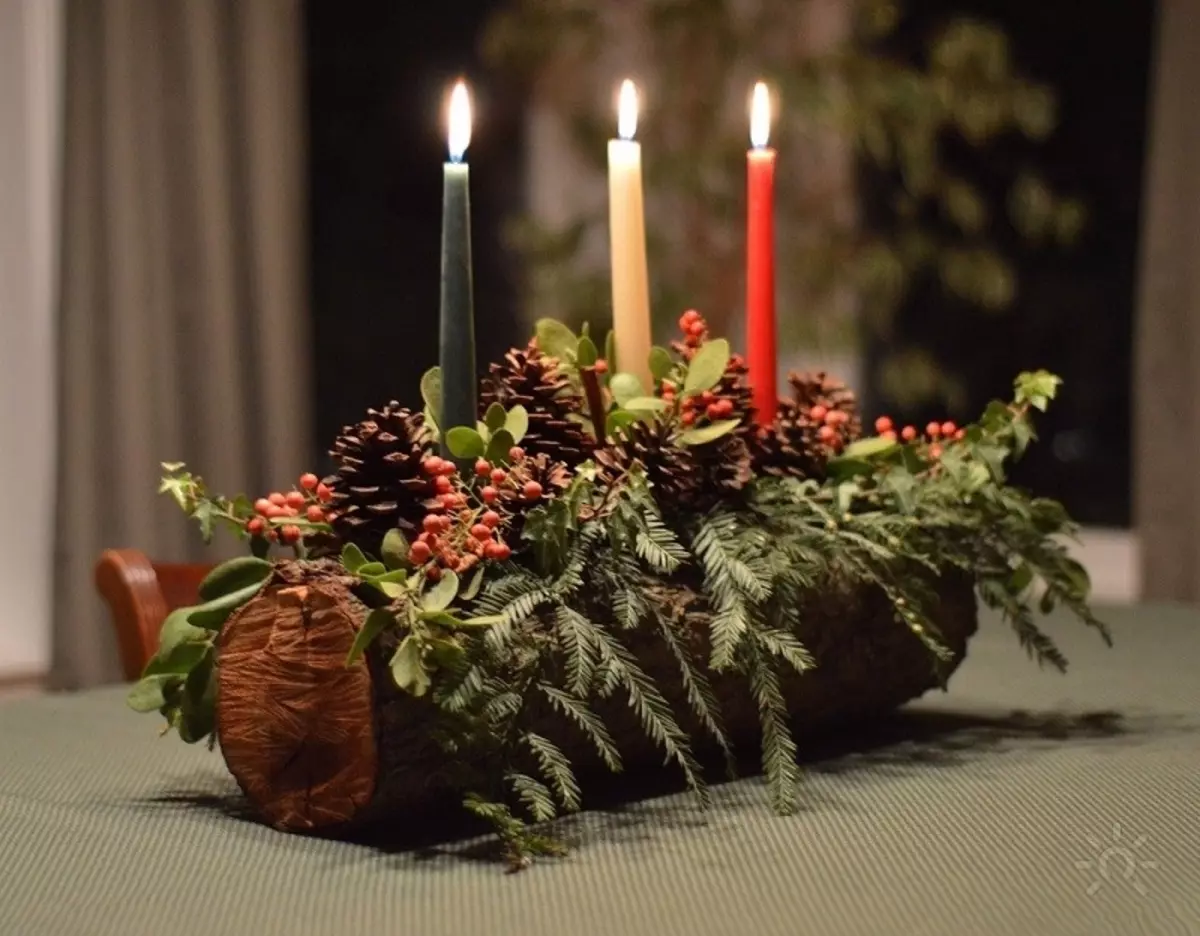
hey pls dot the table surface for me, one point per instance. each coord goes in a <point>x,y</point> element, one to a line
<point>1021,802</point>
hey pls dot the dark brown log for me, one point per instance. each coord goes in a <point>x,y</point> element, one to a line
<point>315,745</point>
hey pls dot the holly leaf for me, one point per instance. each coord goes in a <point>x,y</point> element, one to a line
<point>661,363</point>
<point>431,393</point>
<point>709,433</point>
<point>556,340</point>
<point>707,367</point>
<point>376,623</point>
<point>465,442</point>
<point>408,669</point>
<point>625,387</point>
<point>443,592</point>
<point>353,558</point>
<point>586,352</point>
<point>394,550</point>
<point>516,423</point>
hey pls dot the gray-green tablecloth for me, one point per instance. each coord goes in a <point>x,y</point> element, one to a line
<point>1021,802</point>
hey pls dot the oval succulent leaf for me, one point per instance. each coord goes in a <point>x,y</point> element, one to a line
<point>646,404</point>
<point>377,621</point>
<point>431,393</point>
<point>869,448</point>
<point>443,592</point>
<point>464,442</point>
<point>234,575</point>
<point>556,340</point>
<point>661,363</point>
<point>395,550</point>
<point>353,558</point>
<point>516,422</point>
<point>610,350</point>
<point>586,352</point>
<point>626,387</point>
<point>498,448</point>
<point>408,669</point>
<point>212,615</point>
<point>494,417</point>
<point>707,367</point>
<point>709,433</point>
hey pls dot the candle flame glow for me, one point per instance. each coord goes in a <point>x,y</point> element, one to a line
<point>760,116</point>
<point>460,122</point>
<point>627,111</point>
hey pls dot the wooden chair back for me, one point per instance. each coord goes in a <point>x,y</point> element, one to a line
<point>140,594</point>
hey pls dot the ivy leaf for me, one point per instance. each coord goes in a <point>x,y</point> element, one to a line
<point>709,433</point>
<point>443,592</point>
<point>1037,388</point>
<point>707,367</point>
<point>586,352</point>
<point>465,442</point>
<point>431,393</point>
<point>204,514</point>
<point>494,417</point>
<point>993,456</point>
<point>353,558</point>
<point>377,621</point>
<point>869,448</point>
<point>516,423</point>
<point>661,363</point>
<point>556,340</point>
<point>408,669</point>
<point>625,387</point>
<point>498,448</point>
<point>1023,434</point>
<point>178,485</point>
<point>646,404</point>
<point>395,550</point>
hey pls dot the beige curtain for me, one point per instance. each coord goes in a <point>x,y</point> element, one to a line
<point>1167,372</point>
<point>183,329</point>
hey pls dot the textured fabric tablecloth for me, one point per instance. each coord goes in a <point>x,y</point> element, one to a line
<point>1021,803</point>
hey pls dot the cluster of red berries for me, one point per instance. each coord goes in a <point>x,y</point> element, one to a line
<point>456,535</point>
<point>308,499</point>
<point>705,405</point>
<point>832,423</point>
<point>694,328</point>
<point>935,434</point>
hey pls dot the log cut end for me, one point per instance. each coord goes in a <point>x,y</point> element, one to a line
<point>295,724</point>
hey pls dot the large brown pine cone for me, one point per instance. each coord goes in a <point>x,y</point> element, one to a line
<point>793,444</point>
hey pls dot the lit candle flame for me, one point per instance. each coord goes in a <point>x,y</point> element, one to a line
<point>760,116</point>
<point>460,122</point>
<point>627,111</point>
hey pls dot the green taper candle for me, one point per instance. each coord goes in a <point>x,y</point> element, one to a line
<point>457,324</point>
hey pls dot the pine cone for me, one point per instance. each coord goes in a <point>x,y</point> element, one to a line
<point>819,389</point>
<point>379,485</point>
<point>684,478</point>
<point>820,420</point>
<point>554,478</point>
<point>533,380</point>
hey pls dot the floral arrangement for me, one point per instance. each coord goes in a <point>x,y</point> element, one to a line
<point>594,552</point>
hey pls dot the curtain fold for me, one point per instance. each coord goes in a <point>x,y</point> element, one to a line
<point>183,328</point>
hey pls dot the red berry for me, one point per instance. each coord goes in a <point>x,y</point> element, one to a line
<point>499,475</point>
<point>691,341</point>
<point>908,433</point>
<point>889,434</point>
<point>532,490</point>
<point>295,499</point>
<point>432,523</point>
<point>291,512</point>
<point>263,506</point>
<point>324,494</point>
<point>449,558</point>
<point>277,499</point>
<point>275,511</point>
<point>481,531</point>
<point>713,411</point>
<point>688,418</point>
<point>697,329</point>
<point>309,481</point>
<point>883,424</point>
<point>498,551</point>
<point>725,408</point>
<point>488,494</point>
<point>491,518</point>
<point>432,465</point>
<point>836,417</point>
<point>933,430</point>
<point>255,526</point>
<point>289,534</point>
<point>442,484</point>
<point>601,366</point>
<point>419,553</point>
<point>818,413</point>
<point>449,501</point>
<point>827,433</point>
<point>483,468</point>
<point>668,386</point>
<point>688,319</point>
<point>433,573</point>
<point>447,468</point>
<point>948,429</point>
<point>960,434</point>
<point>935,451</point>
<point>272,535</point>
<point>707,397</point>
<point>516,453</point>
<point>315,514</point>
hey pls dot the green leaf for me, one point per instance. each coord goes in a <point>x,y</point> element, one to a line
<point>661,363</point>
<point>494,417</point>
<point>212,615</point>
<point>498,448</point>
<point>846,492</point>
<point>440,618</point>
<point>408,669</point>
<point>625,387</point>
<point>445,653</point>
<point>869,448</point>
<point>618,419</point>
<point>197,705</point>
<point>993,456</point>
<point>395,550</point>
<point>178,660</point>
<point>516,423</point>
<point>353,558</point>
<point>473,586</point>
<point>647,404</point>
<point>586,352</point>
<point>176,630</point>
<point>485,620</point>
<point>371,570</point>
<point>234,575</point>
<point>443,592</point>
<point>431,393</point>
<point>707,366</point>
<point>204,514</point>
<point>610,350</point>
<point>465,442</point>
<point>841,467</point>
<point>1037,388</point>
<point>376,623</point>
<point>556,340</point>
<point>709,433</point>
<point>147,693</point>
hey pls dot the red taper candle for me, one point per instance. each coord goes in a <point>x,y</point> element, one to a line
<point>760,259</point>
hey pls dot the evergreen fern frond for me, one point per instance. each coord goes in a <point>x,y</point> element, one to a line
<point>725,571</point>
<point>701,699</point>
<point>577,712</point>
<point>728,627</point>
<point>575,637</point>
<point>784,645</point>
<point>534,796</point>
<point>778,746</point>
<point>555,768</point>
<point>628,608</point>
